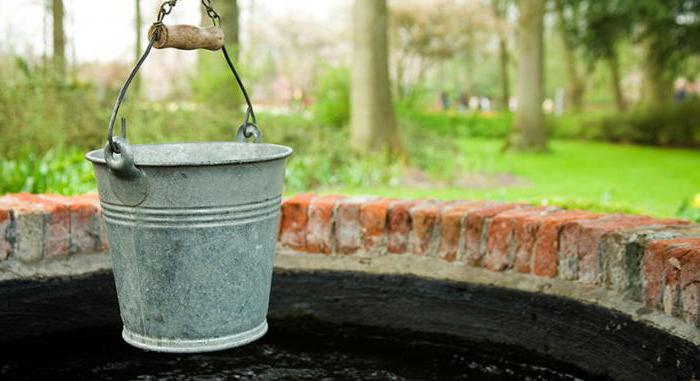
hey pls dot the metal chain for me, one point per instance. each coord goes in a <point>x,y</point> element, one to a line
<point>165,10</point>
<point>250,114</point>
<point>248,129</point>
<point>209,7</point>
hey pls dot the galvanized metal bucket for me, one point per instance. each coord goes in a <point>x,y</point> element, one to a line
<point>192,239</point>
<point>192,230</point>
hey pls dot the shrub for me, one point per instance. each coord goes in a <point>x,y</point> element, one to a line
<point>332,97</point>
<point>57,171</point>
<point>38,111</point>
<point>213,83</point>
<point>453,124</point>
<point>584,125</point>
<point>676,124</point>
<point>690,210</point>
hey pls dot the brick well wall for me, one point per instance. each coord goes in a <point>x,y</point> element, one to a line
<point>655,262</point>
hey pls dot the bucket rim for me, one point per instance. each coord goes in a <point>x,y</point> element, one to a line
<point>282,152</point>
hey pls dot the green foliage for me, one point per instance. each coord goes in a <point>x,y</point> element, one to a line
<point>38,111</point>
<point>671,25</point>
<point>213,83</point>
<point>602,25</point>
<point>152,122</point>
<point>593,176</point>
<point>332,97</point>
<point>338,170</point>
<point>455,124</point>
<point>57,171</point>
<point>580,203</point>
<point>47,125</point>
<point>584,126</point>
<point>320,158</point>
<point>414,97</point>
<point>689,211</point>
<point>574,174</point>
<point>673,124</point>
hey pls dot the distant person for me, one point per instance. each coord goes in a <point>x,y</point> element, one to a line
<point>463,101</point>
<point>473,102</point>
<point>680,90</point>
<point>548,106</point>
<point>559,97</point>
<point>485,104</point>
<point>445,100</point>
<point>512,104</point>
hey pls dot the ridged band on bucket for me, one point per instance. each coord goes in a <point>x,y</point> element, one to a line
<point>153,217</point>
<point>194,346</point>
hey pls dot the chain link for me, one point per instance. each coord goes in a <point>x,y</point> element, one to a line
<point>165,10</point>
<point>209,7</point>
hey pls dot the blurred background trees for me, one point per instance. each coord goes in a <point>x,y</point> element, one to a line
<point>411,96</point>
<point>529,132</point>
<point>373,125</point>
<point>59,38</point>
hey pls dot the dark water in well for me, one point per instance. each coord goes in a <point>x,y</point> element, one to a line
<point>290,351</point>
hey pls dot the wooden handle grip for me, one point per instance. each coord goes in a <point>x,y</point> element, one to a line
<point>187,37</point>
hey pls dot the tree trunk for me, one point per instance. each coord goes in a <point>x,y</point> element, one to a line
<point>656,87</point>
<point>137,49</point>
<point>615,86</point>
<point>400,93</point>
<point>504,59</point>
<point>499,11</point>
<point>529,132</point>
<point>59,38</point>
<point>469,62</point>
<point>373,125</point>
<point>232,26</point>
<point>575,85</point>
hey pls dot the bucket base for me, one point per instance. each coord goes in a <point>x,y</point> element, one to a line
<point>192,346</point>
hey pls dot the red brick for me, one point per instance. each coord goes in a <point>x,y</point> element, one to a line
<point>690,282</point>
<point>399,226</point>
<point>57,239</point>
<point>294,221</point>
<point>373,225</point>
<point>580,243</point>
<point>28,224</point>
<point>476,229</point>
<point>508,233</point>
<point>4,225</point>
<point>672,291</point>
<point>348,234</point>
<point>690,297</point>
<point>319,230</point>
<point>451,222</point>
<point>656,272</point>
<point>544,254</point>
<point>85,231</point>
<point>425,217</point>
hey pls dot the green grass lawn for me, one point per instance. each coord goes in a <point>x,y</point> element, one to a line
<point>575,174</point>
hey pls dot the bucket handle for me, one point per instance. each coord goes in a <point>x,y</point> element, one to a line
<point>124,164</point>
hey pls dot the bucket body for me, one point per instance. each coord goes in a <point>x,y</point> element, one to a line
<point>192,241</point>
